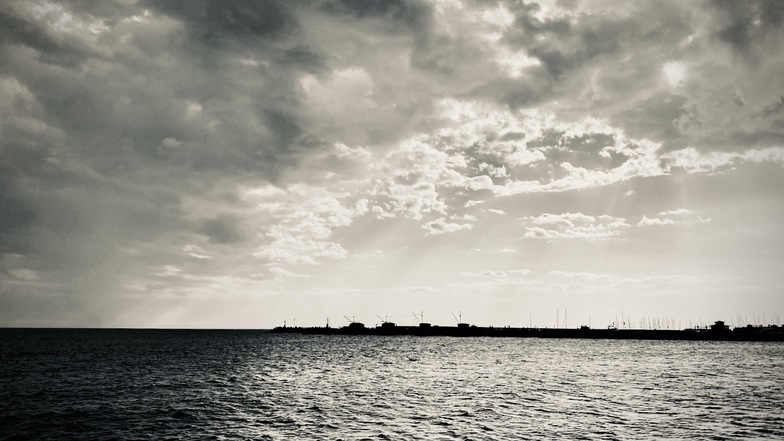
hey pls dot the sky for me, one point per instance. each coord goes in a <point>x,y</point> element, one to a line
<point>211,164</point>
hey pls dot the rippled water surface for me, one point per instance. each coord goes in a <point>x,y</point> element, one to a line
<point>144,384</point>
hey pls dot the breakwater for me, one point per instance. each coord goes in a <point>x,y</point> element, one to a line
<point>716,332</point>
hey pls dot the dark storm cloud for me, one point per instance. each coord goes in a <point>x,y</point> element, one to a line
<point>15,215</point>
<point>660,116</point>
<point>117,106</point>
<point>125,125</point>
<point>58,52</point>
<point>225,228</point>
<point>102,131</point>
<point>273,28</point>
<point>221,24</point>
<point>625,48</point>
<point>744,24</point>
<point>774,108</point>
<point>614,64</point>
<point>413,14</point>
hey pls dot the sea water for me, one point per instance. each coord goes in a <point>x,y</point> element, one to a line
<point>176,384</point>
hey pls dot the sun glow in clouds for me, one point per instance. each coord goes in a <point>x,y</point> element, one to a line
<point>674,73</point>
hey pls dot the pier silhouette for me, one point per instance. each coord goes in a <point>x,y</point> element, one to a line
<point>718,331</point>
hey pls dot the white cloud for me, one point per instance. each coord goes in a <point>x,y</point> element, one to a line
<point>170,143</point>
<point>674,73</point>
<point>515,63</point>
<point>587,276</point>
<point>647,221</point>
<point>299,219</point>
<point>478,132</point>
<point>196,252</point>
<point>488,148</point>
<point>676,212</point>
<point>498,16</point>
<point>441,226</point>
<point>640,280</point>
<point>62,21</point>
<point>520,272</point>
<point>573,226</point>
<point>695,161</point>
<point>498,273</point>
<point>485,274</point>
<point>346,90</point>
<point>680,216</point>
<point>453,154</point>
<point>286,248</point>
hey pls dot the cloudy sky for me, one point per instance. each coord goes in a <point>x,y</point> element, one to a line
<point>238,164</point>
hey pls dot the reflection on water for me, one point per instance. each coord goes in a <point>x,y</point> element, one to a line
<point>93,384</point>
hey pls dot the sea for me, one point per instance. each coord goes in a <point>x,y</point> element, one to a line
<point>254,385</point>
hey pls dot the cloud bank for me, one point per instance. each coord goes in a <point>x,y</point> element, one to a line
<point>158,159</point>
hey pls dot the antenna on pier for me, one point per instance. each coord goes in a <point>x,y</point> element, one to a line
<point>421,319</point>
<point>385,323</point>
<point>384,320</point>
<point>460,324</point>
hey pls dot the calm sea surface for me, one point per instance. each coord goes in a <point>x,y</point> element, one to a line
<point>145,384</point>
